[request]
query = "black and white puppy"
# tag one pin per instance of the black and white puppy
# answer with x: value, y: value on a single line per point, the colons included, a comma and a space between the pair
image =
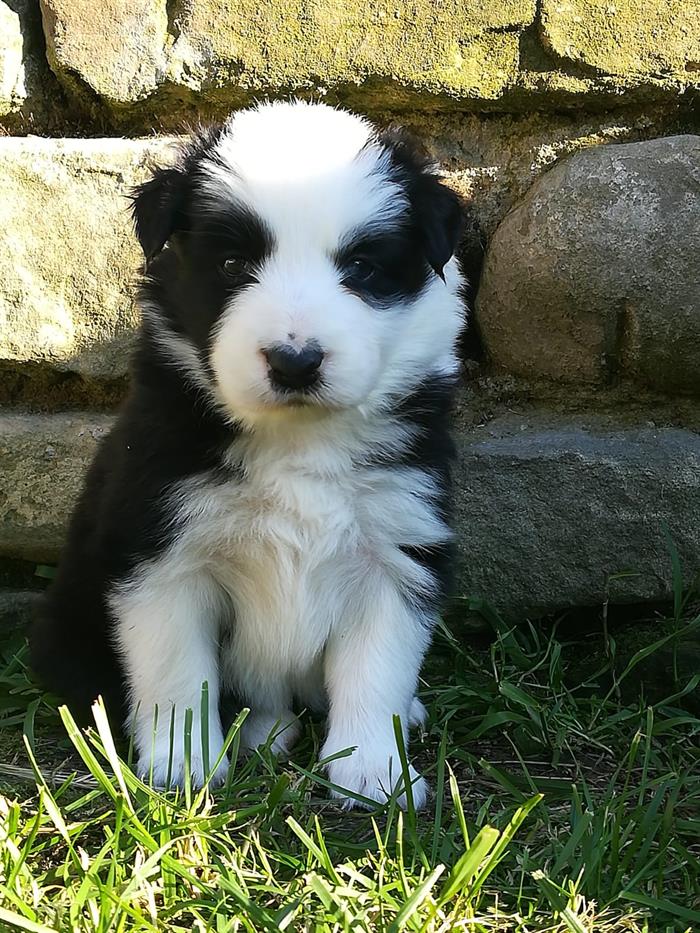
x: 269, y: 513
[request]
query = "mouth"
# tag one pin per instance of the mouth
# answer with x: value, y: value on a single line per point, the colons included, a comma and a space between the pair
x: 308, y: 397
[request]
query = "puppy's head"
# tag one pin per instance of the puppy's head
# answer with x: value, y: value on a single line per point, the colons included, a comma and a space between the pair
x: 299, y: 259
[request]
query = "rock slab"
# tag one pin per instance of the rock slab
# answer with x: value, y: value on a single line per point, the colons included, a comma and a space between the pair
x: 123, y: 51
x: 68, y: 256
x: 551, y: 512
x: 633, y: 37
x: 594, y: 275
x: 43, y: 459
x: 116, y: 47
x: 369, y: 53
x: 546, y: 511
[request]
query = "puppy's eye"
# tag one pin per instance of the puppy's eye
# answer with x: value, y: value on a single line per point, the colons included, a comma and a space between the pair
x: 360, y: 270
x: 238, y: 267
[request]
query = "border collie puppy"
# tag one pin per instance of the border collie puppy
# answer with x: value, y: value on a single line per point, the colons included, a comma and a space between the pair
x: 269, y: 512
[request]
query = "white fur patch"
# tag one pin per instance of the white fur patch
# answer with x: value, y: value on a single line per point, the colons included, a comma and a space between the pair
x: 166, y: 634
x: 298, y: 564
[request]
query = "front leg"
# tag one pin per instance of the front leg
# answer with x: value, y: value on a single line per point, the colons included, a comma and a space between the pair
x: 371, y: 671
x: 266, y: 692
x: 166, y: 628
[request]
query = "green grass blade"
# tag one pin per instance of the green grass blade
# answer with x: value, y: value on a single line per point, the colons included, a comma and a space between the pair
x: 662, y: 904
x: 559, y: 900
x: 415, y: 900
x: 18, y: 922
x: 469, y: 864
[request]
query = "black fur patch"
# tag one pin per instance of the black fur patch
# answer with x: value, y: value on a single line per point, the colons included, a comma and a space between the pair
x: 437, y: 214
x: 160, y: 204
x: 397, y: 267
x: 188, y: 284
x: 429, y: 411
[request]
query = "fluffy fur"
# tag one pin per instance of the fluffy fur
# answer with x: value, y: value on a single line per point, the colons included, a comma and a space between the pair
x: 269, y: 513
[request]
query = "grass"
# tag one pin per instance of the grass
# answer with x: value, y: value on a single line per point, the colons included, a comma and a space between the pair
x: 566, y: 797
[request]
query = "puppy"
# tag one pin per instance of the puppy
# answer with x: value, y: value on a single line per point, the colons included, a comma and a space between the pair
x: 269, y: 513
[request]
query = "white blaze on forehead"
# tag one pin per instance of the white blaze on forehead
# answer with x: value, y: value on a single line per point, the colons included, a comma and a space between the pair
x: 307, y: 170
x: 289, y: 142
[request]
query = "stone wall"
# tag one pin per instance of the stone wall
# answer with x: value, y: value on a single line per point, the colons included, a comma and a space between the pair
x: 569, y: 126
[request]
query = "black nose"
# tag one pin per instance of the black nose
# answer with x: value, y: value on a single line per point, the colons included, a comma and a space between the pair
x: 294, y: 369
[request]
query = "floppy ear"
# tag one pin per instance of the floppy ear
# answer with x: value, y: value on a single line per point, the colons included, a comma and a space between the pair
x: 157, y: 208
x: 441, y: 218
x: 436, y: 208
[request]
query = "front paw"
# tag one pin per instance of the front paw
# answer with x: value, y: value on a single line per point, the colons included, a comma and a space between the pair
x: 166, y: 769
x: 376, y: 775
x: 281, y: 730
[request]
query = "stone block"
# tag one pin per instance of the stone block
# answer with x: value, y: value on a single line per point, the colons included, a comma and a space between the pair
x: 552, y: 512
x: 43, y: 459
x: 546, y: 509
x: 181, y: 58
x: 123, y: 52
x: 593, y: 276
x: 627, y: 37
x: 117, y: 48
x: 68, y: 256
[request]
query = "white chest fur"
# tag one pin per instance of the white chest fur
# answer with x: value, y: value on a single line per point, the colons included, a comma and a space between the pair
x: 291, y: 537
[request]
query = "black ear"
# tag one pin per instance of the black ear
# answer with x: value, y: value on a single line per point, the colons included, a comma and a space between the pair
x: 441, y: 219
x: 437, y: 210
x: 157, y: 207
